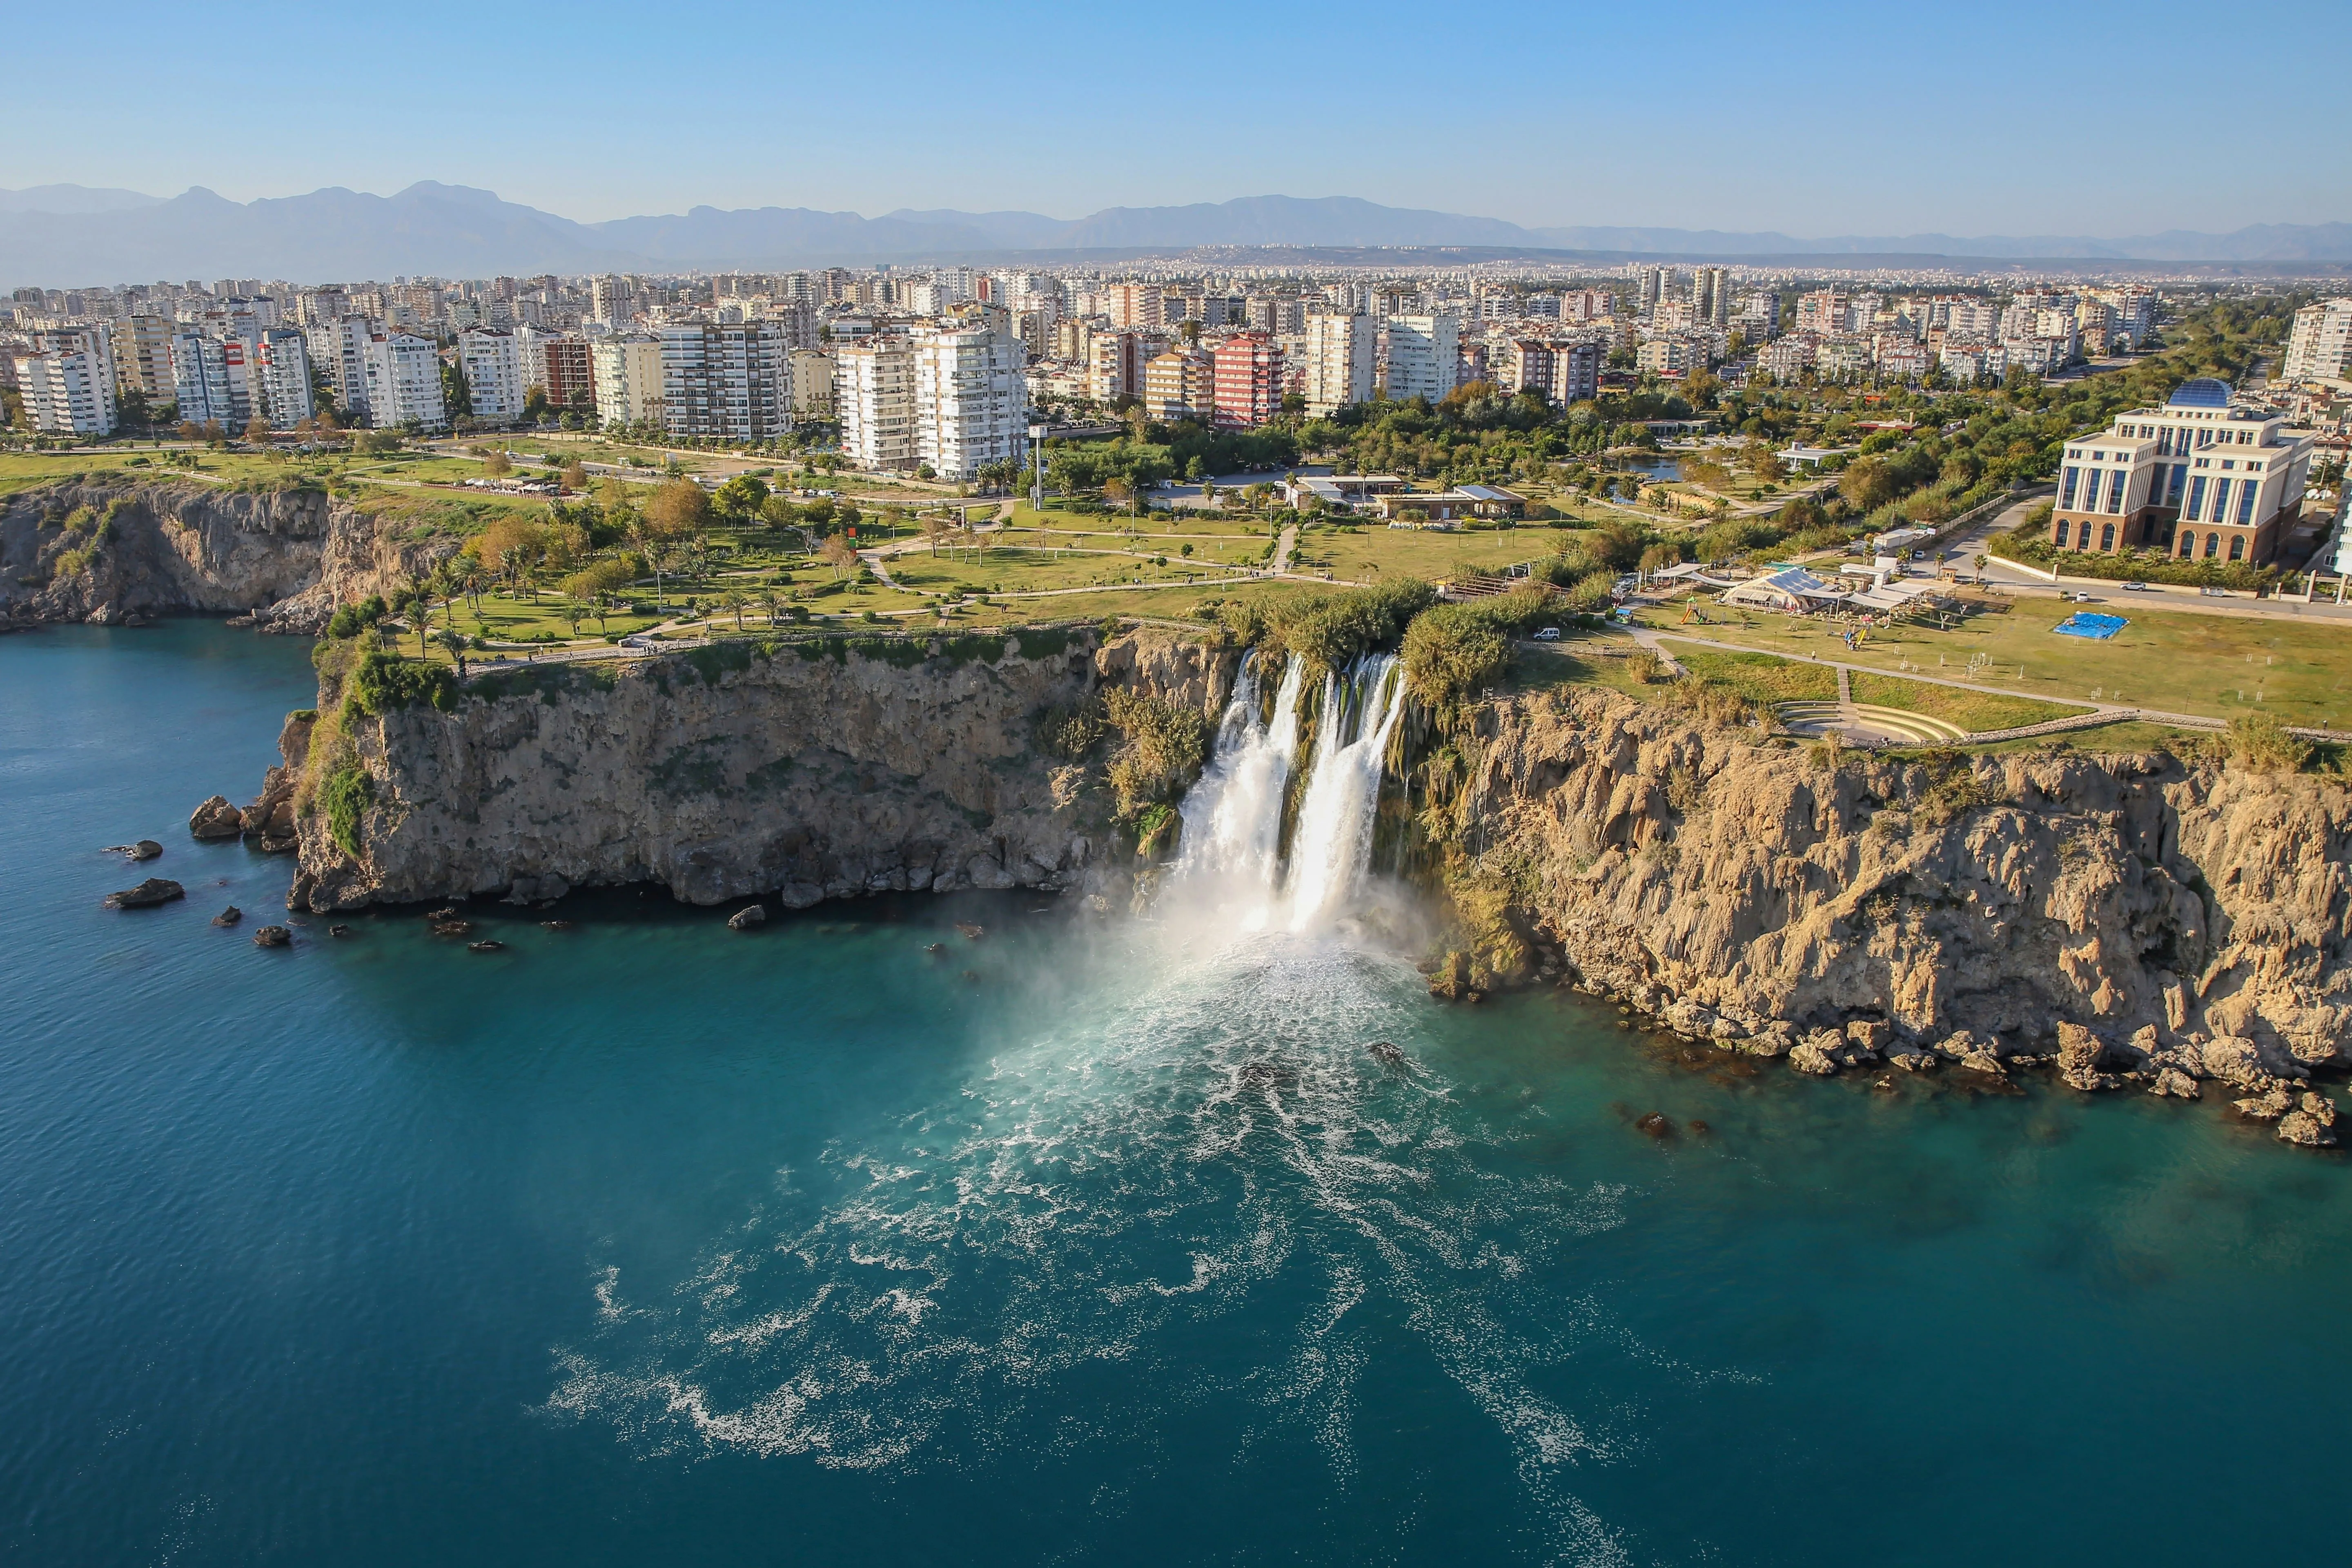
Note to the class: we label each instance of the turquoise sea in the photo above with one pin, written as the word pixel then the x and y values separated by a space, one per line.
pixel 1079 1243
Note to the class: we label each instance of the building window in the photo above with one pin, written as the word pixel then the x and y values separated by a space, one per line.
pixel 2221 513
pixel 2195 511
pixel 2212 545
pixel 2082 535
pixel 2066 490
pixel 2107 536
pixel 2246 501
pixel 2188 545
pixel 2116 490
pixel 2236 547
pixel 2178 473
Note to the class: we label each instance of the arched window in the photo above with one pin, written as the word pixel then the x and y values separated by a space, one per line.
pixel 2236 547
pixel 2188 544
pixel 2212 545
pixel 2082 535
pixel 2107 537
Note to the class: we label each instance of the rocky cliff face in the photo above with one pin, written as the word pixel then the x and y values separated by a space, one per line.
pixel 1751 890
pixel 809 771
pixel 169 547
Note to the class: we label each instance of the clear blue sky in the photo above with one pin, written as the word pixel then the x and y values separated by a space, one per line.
pixel 1829 118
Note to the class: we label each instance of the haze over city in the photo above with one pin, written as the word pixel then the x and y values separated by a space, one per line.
pixel 1834 119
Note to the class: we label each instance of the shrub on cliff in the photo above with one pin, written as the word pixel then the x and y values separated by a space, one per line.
pixel 1451 653
pixel 383 682
pixel 345 797
pixel 2261 743
pixel 1327 630
pixel 1162 750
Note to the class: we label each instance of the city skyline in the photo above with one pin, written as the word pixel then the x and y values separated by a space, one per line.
pixel 1835 122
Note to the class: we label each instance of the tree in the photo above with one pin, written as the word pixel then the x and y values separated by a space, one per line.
pixel 575 476
pixel 733 600
pixel 456 398
pixel 535 405
pixel 497 464
pixel 742 496
pixel 836 553
pixel 1117 492
pixel 935 527
pixel 677 508
pixel 257 429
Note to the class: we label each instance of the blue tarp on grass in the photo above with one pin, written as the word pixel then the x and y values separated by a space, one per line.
pixel 2084 624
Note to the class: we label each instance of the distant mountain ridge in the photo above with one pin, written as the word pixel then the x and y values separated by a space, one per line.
pixel 68 236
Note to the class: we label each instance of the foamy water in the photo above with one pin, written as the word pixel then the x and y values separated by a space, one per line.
pixel 1216 1140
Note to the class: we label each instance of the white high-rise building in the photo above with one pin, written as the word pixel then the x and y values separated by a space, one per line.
pixel 971 402
pixel 403 382
pixel 338 346
pixel 628 378
pixel 1339 357
pixel 68 381
pixel 1423 351
pixel 279 373
pixel 2319 348
pixel 201 382
pixel 493 370
pixel 873 399
pixel 609 302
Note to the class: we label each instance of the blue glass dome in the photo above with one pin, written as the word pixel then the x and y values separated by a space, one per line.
pixel 2203 393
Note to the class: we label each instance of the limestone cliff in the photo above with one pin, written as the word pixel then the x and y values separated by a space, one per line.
pixel 146 548
pixel 1742 887
pixel 810 770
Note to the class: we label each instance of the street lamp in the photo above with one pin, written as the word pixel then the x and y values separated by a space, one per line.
pixel 1037 467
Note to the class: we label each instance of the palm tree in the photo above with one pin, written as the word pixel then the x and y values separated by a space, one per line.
pixel 772 602
pixel 735 599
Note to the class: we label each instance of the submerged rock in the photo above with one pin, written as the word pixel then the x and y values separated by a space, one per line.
pixel 1655 1125
pixel 747 917
pixel 272 936
pixel 229 916
pixel 488 944
pixel 146 895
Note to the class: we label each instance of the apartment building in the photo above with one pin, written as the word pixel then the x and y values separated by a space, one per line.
pixel 1181 383
pixel 338 346
pixel 1711 295
pixel 812 372
pixel 1825 311
pixel 492 364
pixel 873 398
pixel 626 374
pixel 1422 354
pixel 1248 389
pixel 1115 361
pixel 403 382
pixel 208 381
pixel 143 355
pixel 1135 305
pixel 278 375
pixel 971 403
pixel 1341 350
pixel 2319 346
pixel 67 379
pixel 725 380
pixel 2203 478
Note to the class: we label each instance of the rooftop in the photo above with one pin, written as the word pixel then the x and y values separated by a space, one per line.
pixel 2203 392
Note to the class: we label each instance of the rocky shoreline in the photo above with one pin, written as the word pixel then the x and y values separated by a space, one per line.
pixel 2125 922
pixel 110 551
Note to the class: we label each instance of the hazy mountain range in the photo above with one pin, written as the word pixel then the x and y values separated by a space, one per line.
pixel 63 235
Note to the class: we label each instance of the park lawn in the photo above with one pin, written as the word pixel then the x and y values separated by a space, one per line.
pixel 1580 661
pixel 25 470
pixel 1761 677
pixel 1014 570
pixel 1971 711
pixel 2132 735
pixel 1232 549
pixel 1380 553
pixel 2211 666
pixel 1153 522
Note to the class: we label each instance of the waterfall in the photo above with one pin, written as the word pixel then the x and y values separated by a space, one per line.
pixel 1333 849
pixel 1233 817
pixel 1232 863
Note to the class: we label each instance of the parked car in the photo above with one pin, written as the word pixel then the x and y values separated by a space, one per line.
pixel 1549 634
pixel 2135 587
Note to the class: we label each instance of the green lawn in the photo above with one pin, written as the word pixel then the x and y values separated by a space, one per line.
pixel 1971 711
pixel 1759 677
pixel 2213 665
